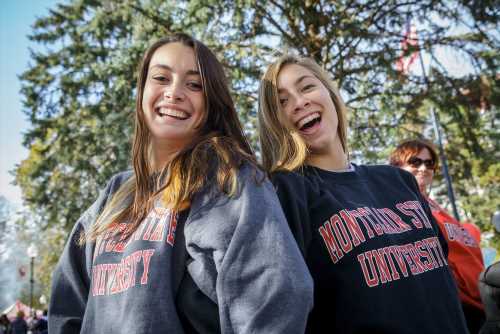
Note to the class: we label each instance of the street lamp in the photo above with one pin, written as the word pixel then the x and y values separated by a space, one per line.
pixel 495 220
pixel 32 253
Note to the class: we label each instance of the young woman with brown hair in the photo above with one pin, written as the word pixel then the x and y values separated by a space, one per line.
pixel 376 257
pixel 195 184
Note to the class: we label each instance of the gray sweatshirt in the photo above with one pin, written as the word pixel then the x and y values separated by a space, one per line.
pixel 244 258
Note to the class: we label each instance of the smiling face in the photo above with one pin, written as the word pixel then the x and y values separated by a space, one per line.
pixel 307 106
pixel 173 101
pixel 418 168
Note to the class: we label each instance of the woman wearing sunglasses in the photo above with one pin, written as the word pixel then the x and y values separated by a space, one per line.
pixel 464 258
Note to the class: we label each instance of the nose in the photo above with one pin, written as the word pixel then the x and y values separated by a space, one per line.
pixel 422 167
pixel 174 92
pixel 301 103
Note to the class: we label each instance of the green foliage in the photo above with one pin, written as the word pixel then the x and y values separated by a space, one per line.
pixel 79 92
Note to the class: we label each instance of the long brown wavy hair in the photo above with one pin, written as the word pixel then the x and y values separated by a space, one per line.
pixel 214 156
pixel 282 147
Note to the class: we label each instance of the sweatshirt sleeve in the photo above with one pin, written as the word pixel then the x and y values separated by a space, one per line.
pixel 246 260
pixel 71 278
pixel 70 286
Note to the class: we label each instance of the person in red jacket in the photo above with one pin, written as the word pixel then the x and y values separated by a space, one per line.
pixel 420 158
pixel 473 229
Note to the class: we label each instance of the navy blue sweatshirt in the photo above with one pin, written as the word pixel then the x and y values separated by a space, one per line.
pixel 378 260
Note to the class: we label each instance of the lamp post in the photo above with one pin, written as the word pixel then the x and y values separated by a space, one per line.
pixel 495 221
pixel 32 253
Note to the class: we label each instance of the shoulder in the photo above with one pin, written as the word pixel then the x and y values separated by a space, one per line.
pixel 250 183
pixel 112 186
pixel 250 172
pixel 298 180
pixel 118 180
pixel 287 176
pixel 296 187
pixel 215 211
pixel 383 170
pixel 390 173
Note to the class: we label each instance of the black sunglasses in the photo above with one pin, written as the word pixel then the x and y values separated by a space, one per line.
pixel 417 162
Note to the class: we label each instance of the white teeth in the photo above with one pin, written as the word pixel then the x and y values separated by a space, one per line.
pixel 173 112
pixel 307 119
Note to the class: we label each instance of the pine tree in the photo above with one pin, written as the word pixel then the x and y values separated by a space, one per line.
pixel 79 91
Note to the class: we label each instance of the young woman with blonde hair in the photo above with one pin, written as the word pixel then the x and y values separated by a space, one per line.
pixel 376 256
pixel 195 185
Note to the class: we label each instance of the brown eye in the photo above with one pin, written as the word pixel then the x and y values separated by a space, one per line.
pixel 195 86
pixel 160 78
pixel 307 87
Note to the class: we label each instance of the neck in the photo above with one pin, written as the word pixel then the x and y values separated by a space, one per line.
pixel 424 190
pixel 333 160
pixel 162 155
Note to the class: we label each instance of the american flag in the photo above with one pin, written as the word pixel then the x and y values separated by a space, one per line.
pixel 410 39
pixel 21 271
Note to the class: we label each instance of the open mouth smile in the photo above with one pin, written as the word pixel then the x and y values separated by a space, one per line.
pixel 172 112
pixel 308 122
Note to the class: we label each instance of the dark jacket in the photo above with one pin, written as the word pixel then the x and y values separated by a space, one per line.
pixel 489 287
pixel 19 326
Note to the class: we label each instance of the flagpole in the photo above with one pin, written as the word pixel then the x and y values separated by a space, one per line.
pixel 442 156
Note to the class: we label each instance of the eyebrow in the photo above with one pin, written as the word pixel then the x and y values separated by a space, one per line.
pixel 298 81
pixel 168 68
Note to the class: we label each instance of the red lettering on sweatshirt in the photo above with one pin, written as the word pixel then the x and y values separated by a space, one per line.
pixel 399 260
pixel 146 258
pixel 113 278
pixel 417 206
pixel 406 208
pixel 377 266
pixel 172 226
pixel 401 225
pixel 151 221
pixel 457 233
pixel 383 268
pixel 386 225
pixel 341 233
pixel 357 215
pixel 435 247
pixel 386 252
pixel 416 257
pixel 158 231
pixel 368 214
pixel 426 261
pixel 135 258
pixel 331 245
pixel 353 227
pixel 370 276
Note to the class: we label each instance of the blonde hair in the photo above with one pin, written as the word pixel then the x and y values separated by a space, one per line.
pixel 215 156
pixel 282 147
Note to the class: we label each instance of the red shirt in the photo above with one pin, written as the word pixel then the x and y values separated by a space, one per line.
pixel 473 230
pixel 464 256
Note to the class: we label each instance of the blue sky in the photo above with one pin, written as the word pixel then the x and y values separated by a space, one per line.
pixel 16 18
